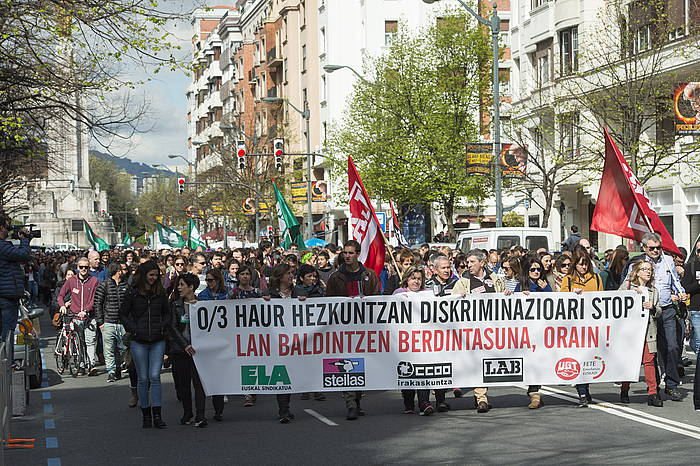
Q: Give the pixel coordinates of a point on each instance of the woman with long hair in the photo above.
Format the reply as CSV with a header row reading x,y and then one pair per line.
x,y
185,373
579,279
145,313
614,280
281,286
561,267
531,280
641,280
512,270
216,288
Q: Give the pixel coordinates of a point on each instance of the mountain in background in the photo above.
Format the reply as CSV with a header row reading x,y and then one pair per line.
x,y
132,168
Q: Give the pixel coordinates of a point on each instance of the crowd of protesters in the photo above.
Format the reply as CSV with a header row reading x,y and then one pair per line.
x,y
136,300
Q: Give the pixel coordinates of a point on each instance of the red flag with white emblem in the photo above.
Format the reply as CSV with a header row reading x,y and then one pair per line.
x,y
364,226
623,207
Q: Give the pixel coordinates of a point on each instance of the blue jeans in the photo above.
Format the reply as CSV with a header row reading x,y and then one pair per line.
x,y
148,358
667,343
113,336
695,334
9,308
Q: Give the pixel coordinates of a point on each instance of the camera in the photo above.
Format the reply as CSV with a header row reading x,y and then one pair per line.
x,y
32,232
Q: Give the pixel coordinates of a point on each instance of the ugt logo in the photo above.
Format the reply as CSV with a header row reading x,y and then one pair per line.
x,y
257,375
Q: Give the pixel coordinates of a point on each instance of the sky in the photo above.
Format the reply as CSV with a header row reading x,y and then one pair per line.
x,y
165,94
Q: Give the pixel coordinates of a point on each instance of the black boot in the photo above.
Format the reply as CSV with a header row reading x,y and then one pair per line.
x,y
147,418
157,420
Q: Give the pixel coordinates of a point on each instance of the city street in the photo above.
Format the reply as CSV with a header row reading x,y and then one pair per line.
x,y
86,421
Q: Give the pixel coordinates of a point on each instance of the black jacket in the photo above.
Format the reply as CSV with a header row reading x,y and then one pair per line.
x,y
179,336
690,282
108,301
144,317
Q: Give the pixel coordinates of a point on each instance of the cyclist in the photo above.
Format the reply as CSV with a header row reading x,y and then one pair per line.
x,y
82,289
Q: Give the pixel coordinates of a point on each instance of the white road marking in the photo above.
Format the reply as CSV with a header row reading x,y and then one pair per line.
x,y
323,418
629,413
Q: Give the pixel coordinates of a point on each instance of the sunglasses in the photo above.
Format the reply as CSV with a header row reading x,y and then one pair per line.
x,y
505,268
202,263
460,266
654,248
209,280
566,264
179,264
82,267
535,269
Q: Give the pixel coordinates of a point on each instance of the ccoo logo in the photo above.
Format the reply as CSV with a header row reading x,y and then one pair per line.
x,y
567,368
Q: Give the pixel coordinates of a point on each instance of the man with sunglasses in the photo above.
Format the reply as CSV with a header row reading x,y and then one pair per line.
x,y
199,268
81,288
671,291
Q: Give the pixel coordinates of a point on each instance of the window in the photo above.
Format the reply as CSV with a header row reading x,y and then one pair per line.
x,y
642,38
570,134
537,3
325,131
323,88
284,70
322,40
284,26
533,243
568,46
506,242
542,57
505,33
466,245
390,29
504,81
302,6
303,58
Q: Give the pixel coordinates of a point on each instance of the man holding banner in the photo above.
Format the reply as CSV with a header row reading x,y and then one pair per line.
x,y
352,279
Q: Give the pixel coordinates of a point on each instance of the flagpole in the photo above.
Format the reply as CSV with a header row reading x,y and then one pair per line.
x,y
664,258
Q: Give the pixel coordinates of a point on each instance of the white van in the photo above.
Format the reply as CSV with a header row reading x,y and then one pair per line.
x,y
65,247
504,238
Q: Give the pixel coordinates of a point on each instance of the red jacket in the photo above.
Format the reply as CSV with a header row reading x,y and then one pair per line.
x,y
82,294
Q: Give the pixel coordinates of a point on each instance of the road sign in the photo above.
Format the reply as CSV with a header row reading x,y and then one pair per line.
x,y
381,218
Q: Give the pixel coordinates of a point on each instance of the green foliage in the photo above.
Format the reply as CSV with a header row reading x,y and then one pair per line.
x,y
117,185
408,124
512,219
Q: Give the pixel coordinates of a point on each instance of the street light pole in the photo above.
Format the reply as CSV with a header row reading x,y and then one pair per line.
x,y
495,24
306,115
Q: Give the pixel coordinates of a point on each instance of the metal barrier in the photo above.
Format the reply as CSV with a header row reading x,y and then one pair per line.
x,y
5,397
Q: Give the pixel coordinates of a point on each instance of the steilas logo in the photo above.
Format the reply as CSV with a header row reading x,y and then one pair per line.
x,y
567,369
344,373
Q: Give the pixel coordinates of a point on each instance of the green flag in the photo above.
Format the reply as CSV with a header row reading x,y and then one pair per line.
x,y
169,236
291,232
97,243
126,242
194,239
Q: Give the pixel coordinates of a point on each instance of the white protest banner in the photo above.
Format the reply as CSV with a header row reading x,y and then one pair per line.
x,y
417,340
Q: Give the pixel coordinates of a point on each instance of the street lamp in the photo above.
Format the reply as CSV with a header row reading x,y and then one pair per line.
x,y
332,68
305,114
495,24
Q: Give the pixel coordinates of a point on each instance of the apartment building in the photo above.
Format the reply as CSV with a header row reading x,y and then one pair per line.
x,y
557,45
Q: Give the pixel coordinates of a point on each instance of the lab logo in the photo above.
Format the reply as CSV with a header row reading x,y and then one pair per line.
x,y
502,370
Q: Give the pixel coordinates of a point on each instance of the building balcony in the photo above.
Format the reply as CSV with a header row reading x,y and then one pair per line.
x,y
273,60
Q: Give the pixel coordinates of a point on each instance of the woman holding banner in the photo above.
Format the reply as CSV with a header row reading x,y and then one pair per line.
x,y
185,373
281,286
414,282
579,279
532,280
641,280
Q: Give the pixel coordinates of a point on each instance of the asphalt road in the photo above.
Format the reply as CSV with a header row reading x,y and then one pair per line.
x,y
85,421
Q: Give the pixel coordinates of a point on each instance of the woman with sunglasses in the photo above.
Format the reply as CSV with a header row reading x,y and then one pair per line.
x,y
512,270
171,278
531,280
561,267
215,290
579,279
641,280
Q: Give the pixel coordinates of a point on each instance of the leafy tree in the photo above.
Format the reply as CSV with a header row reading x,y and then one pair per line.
x,y
408,123
117,185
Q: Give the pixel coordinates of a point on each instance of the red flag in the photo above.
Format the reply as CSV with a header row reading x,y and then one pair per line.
x,y
623,207
363,221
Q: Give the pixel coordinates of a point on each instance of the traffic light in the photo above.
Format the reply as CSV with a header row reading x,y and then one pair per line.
x,y
181,185
240,153
278,146
269,231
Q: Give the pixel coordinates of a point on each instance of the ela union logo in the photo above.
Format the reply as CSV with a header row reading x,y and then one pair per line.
x,y
258,378
567,369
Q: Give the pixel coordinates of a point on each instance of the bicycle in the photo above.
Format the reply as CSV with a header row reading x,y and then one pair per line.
x,y
70,351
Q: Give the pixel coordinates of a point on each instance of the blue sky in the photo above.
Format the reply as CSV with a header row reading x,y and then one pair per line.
x,y
165,94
